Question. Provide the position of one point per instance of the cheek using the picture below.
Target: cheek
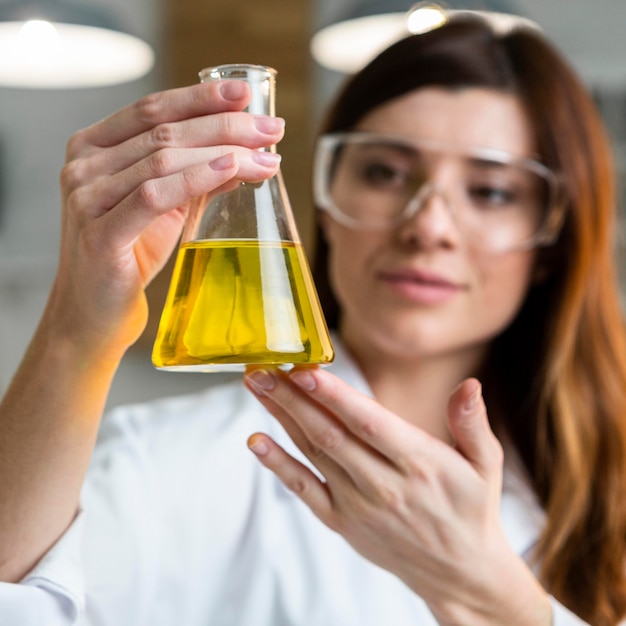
(344, 265)
(504, 284)
(349, 253)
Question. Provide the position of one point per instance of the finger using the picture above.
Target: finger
(163, 144)
(314, 453)
(387, 433)
(162, 107)
(294, 475)
(321, 435)
(107, 191)
(252, 131)
(469, 425)
(229, 129)
(153, 198)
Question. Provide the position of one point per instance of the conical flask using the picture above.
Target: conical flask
(241, 291)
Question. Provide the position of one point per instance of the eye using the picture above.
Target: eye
(384, 175)
(491, 196)
(379, 172)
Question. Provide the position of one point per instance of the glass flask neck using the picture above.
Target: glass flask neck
(262, 81)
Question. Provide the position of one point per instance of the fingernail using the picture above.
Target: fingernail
(258, 445)
(267, 159)
(472, 402)
(303, 379)
(269, 125)
(233, 90)
(223, 163)
(261, 380)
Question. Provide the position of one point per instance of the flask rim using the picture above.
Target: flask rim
(231, 71)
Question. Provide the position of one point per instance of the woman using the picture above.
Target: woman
(570, 329)
(466, 210)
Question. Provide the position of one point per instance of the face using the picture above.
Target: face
(421, 289)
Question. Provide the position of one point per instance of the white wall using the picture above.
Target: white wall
(34, 128)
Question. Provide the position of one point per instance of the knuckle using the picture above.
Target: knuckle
(163, 135)
(313, 452)
(149, 108)
(190, 180)
(389, 497)
(148, 194)
(71, 175)
(370, 428)
(297, 485)
(329, 439)
(78, 200)
(225, 124)
(162, 162)
(419, 469)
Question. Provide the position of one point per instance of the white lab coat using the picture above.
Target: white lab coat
(182, 526)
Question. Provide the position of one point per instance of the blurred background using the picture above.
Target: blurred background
(187, 35)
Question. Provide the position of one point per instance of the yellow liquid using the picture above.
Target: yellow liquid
(233, 302)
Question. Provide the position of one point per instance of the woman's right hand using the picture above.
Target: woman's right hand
(125, 188)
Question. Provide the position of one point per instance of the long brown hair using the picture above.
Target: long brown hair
(558, 373)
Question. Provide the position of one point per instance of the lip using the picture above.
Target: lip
(420, 286)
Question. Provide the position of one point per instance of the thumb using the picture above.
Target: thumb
(469, 426)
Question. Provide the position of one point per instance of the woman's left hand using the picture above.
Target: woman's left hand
(407, 501)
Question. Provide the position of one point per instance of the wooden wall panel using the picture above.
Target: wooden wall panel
(202, 33)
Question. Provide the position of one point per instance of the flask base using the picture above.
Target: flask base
(226, 368)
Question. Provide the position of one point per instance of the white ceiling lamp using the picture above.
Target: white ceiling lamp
(58, 44)
(348, 45)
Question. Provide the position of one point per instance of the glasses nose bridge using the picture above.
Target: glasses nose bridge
(440, 179)
(425, 214)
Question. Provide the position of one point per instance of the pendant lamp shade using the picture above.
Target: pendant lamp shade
(58, 44)
(351, 42)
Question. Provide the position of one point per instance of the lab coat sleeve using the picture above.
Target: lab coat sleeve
(52, 593)
(145, 516)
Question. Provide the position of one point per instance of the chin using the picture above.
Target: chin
(415, 341)
(394, 340)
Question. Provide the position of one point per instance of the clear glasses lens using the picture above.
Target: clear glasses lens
(376, 182)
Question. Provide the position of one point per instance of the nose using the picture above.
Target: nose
(430, 221)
